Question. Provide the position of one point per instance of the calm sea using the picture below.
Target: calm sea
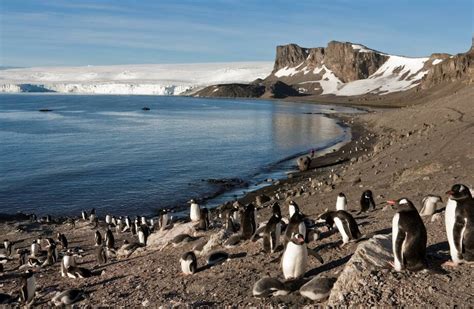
(106, 152)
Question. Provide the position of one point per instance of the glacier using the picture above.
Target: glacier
(143, 79)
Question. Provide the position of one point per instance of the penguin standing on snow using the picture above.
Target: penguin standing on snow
(345, 223)
(408, 237)
(195, 211)
(341, 202)
(429, 203)
(188, 263)
(248, 225)
(459, 218)
(272, 231)
(366, 201)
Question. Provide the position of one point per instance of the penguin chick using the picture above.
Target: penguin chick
(68, 297)
(188, 263)
(267, 287)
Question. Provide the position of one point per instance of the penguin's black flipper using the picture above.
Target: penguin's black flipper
(457, 233)
(316, 255)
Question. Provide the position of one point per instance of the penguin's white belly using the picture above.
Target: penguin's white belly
(450, 218)
(195, 212)
(341, 203)
(108, 219)
(395, 231)
(294, 261)
(186, 266)
(141, 237)
(291, 210)
(340, 227)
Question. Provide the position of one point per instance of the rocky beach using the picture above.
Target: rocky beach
(407, 152)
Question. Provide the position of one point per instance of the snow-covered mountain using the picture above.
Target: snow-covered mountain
(153, 79)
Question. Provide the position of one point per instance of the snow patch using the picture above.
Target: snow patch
(436, 61)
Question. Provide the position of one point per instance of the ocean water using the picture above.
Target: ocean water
(106, 152)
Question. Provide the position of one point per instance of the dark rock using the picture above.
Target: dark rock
(303, 163)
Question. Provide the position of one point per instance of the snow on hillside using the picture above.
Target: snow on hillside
(155, 79)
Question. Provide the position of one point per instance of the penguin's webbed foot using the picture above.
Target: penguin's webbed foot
(450, 263)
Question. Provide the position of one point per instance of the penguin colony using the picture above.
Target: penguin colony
(287, 237)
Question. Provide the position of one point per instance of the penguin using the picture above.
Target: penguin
(108, 219)
(28, 288)
(345, 223)
(8, 245)
(295, 257)
(78, 272)
(408, 237)
(164, 220)
(203, 224)
(188, 263)
(143, 234)
(101, 255)
(22, 257)
(143, 220)
(129, 248)
(128, 224)
(6, 299)
(98, 238)
(272, 231)
(35, 248)
(459, 219)
(429, 203)
(267, 287)
(229, 224)
(84, 215)
(292, 208)
(133, 229)
(317, 289)
(109, 239)
(68, 297)
(341, 202)
(295, 225)
(50, 258)
(67, 261)
(248, 225)
(366, 201)
(62, 240)
(93, 218)
(195, 212)
(217, 257)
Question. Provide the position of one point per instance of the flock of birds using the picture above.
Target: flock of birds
(289, 236)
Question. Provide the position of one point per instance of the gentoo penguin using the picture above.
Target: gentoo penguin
(292, 208)
(272, 231)
(143, 220)
(8, 247)
(109, 239)
(317, 289)
(217, 257)
(195, 211)
(68, 297)
(98, 238)
(93, 217)
(143, 234)
(51, 257)
(203, 224)
(366, 201)
(84, 215)
(295, 257)
(341, 202)
(188, 263)
(229, 223)
(165, 219)
(459, 219)
(108, 219)
(35, 248)
(78, 272)
(101, 255)
(248, 225)
(296, 225)
(429, 205)
(67, 261)
(267, 287)
(345, 223)
(62, 240)
(28, 288)
(408, 237)
(22, 257)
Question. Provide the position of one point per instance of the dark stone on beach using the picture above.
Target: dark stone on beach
(45, 110)
(303, 163)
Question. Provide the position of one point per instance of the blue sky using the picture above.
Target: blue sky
(68, 32)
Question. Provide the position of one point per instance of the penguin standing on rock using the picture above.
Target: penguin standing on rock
(67, 261)
(272, 231)
(195, 211)
(341, 202)
(248, 225)
(459, 218)
(345, 223)
(366, 201)
(429, 203)
(8, 245)
(408, 237)
(188, 263)
(62, 240)
(143, 233)
(101, 255)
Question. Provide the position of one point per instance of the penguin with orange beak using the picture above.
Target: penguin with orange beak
(408, 237)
